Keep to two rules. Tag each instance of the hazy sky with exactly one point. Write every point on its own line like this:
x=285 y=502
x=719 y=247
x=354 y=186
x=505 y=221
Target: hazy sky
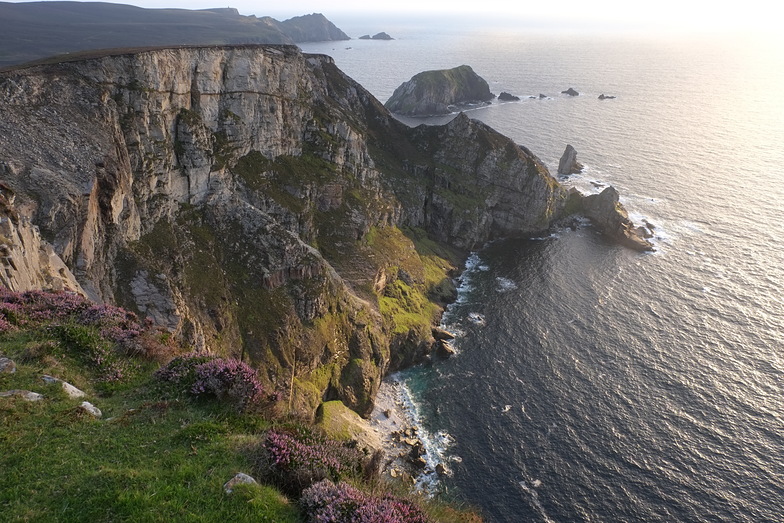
x=672 y=14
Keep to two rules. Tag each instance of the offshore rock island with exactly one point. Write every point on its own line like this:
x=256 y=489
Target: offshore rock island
x=258 y=203
x=438 y=92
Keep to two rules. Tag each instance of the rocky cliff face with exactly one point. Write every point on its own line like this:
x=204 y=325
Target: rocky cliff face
x=257 y=202
x=439 y=92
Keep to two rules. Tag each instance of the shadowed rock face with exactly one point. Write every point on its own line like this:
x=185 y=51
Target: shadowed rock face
x=606 y=212
x=439 y=92
x=251 y=199
x=568 y=163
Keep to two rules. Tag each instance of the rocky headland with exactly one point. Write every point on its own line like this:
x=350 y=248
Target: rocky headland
x=258 y=203
x=36 y=30
x=439 y=92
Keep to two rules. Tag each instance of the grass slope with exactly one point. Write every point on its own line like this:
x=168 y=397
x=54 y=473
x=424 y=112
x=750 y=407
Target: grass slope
x=158 y=453
x=154 y=456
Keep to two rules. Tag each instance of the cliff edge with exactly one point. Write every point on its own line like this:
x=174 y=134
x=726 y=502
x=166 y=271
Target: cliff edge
x=260 y=204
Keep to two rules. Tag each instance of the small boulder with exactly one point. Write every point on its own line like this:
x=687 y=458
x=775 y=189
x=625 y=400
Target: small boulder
x=90 y=409
x=570 y=92
x=605 y=97
x=70 y=390
x=24 y=394
x=7 y=365
x=542 y=96
x=442 y=334
x=568 y=163
x=506 y=97
x=239 y=479
x=443 y=470
x=444 y=349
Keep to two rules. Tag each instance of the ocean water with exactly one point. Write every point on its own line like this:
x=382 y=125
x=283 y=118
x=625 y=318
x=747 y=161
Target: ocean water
x=593 y=383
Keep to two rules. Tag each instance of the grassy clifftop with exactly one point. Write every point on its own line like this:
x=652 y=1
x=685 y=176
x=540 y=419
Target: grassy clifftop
x=169 y=435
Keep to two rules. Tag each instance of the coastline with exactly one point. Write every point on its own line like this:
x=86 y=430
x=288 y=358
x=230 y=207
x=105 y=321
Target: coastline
x=409 y=452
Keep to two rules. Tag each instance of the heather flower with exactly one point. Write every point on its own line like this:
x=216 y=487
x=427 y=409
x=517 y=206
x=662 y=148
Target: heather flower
x=327 y=502
x=297 y=462
x=35 y=309
x=228 y=379
x=5 y=325
x=205 y=375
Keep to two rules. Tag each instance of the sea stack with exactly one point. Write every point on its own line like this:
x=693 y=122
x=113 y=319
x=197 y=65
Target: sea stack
x=569 y=164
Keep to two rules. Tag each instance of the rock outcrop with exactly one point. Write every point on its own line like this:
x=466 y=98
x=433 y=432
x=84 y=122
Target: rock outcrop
x=605 y=97
x=69 y=390
x=7 y=365
x=240 y=478
x=568 y=163
x=507 y=97
x=27 y=261
x=258 y=203
x=310 y=28
x=439 y=92
x=570 y=92
x=378 y=36
x=606 y=212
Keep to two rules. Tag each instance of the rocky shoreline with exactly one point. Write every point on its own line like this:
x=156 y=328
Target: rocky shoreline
x=403 y=443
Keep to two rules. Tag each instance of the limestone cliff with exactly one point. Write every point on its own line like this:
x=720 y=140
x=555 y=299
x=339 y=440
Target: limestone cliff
x=439 y=92
x=28 y=261
x=259 y=203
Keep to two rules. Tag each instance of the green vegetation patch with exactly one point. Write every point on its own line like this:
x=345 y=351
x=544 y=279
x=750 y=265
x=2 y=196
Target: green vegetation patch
x=153 y=456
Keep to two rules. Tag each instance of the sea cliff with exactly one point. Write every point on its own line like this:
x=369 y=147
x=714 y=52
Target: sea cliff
x=258 y=203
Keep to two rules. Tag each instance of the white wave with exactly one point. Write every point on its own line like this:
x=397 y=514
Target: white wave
x=505 y=284
x=552 y=235
x=477 y=319
x=472 y=261
x=535 y=500
x=436 y=444
x=506 y=408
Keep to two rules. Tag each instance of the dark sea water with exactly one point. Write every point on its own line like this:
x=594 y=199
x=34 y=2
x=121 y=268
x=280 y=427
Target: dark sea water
x=593 y=383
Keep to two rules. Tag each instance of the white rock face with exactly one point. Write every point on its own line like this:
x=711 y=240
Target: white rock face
x=24 y=394
x=7 y=365
x=27 y=261
x=70 y=390
x=239 y=479
x=90 y=409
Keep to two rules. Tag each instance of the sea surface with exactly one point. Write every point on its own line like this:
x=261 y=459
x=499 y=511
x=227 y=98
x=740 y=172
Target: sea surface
x=591 y=382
